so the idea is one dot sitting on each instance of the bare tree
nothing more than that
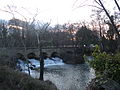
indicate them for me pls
(109, 16)
(102, 7)
(40, 40)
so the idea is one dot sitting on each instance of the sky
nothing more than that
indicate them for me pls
(53, 11)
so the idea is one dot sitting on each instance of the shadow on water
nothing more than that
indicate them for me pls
(69, 77)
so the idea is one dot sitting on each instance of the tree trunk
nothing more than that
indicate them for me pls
(41, 66)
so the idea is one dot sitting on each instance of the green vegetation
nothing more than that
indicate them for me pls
(106, 66)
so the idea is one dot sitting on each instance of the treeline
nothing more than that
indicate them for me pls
(18, 33)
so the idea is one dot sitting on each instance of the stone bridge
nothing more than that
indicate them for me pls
(67, 53)
(48, 50)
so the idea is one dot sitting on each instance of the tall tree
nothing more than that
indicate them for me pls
(41, 41)
(85, 36)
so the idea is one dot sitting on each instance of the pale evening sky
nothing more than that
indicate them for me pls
(54, 11)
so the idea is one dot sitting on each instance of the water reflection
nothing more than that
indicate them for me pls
(69, 77)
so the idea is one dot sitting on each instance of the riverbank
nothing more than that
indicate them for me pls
(64, 77)
(14, 80)
(11, 79)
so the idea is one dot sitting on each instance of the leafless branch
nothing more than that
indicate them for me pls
(97, 2)
(95, 6)
(8, 11)
(22, 15)
(82, 4)
(117, 4)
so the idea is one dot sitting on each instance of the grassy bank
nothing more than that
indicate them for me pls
(14, 80)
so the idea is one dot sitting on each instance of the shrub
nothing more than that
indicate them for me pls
(106, 65)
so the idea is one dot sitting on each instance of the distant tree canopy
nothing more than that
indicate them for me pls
(85, 36)
(18, 33)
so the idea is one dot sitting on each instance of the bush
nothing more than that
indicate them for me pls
(106, 65)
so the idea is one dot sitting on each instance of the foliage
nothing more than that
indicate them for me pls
(106, 65)
(85, 36)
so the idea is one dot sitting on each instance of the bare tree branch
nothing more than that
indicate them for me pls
(82, 4)
(11, 11)
(97, 2)
(111, 20)
(22, 15)
(96, 7)
(117, 4)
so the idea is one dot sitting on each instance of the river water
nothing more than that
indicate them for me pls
(68, 77)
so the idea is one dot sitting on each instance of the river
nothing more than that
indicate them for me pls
(68, 77)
